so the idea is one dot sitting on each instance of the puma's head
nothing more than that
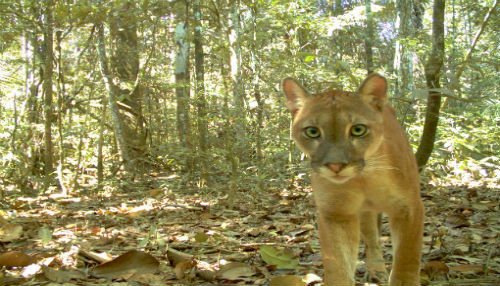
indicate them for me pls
(340, 131)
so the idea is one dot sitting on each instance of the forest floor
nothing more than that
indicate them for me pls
(160, 233)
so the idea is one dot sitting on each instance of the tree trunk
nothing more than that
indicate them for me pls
(113, 93)
(100, 142)
(403, 59)
(61, 93)
(48, 66)
(255, 65)
(182, 74)
(338, 9)
(201, 101)
(432, 74)
(370, 33)
(238, 94)
(124, 92)
(32, 110)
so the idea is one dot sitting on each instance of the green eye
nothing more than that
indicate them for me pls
(312, 132)
(358, 130)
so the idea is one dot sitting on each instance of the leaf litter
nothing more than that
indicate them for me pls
(152, 235)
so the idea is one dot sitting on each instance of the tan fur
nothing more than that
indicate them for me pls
(356, 177)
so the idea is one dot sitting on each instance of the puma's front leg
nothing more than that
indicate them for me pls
(406, 231)
(375, 263)
(339, 238)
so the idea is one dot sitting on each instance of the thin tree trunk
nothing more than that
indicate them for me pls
(370, 33)
(61, 91)
(226, 132)
(201, 101)
(125, 68)
(182, 74)
(100, 165)
(338, 9)
(47, 50)
(255, 64)
(122, 82)
(238, 95)
(112, 92)
(432, 74)
(403, 59)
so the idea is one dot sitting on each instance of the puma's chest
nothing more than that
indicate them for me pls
(371, 192)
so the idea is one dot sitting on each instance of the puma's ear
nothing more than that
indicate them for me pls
(295, 94)
(374, 90)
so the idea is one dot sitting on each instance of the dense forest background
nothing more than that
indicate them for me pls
(100, 98)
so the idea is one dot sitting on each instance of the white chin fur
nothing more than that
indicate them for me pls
(334, 178)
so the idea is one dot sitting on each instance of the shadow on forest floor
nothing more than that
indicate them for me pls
(179, 236)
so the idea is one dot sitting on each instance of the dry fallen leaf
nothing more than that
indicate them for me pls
(129, 263)
(311, 278)
(235, 270)
(207, 275)
(183, 267)
(15, 259)
(288, 280)
(156, 193)
(10, 232)
(62, 276)
(467, 268)
(435, 269)
(175, 257)
(101, 257)
(458, 220)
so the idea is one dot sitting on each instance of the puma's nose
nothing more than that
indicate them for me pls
(336, 167)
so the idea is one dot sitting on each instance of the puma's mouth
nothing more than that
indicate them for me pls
(336, 177)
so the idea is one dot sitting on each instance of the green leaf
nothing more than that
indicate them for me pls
(201, 237)
(143, 243)
(282, 258)
(45, 235)
(309, 58)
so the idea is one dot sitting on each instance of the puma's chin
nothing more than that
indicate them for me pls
(335, 178)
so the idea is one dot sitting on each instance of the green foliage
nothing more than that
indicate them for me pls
(304, 39)
(467, 147)
(282, 258)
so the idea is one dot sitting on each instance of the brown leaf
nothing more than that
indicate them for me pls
(10, 232)
(102, 257)
(435, 269)
(288, 280)
(467, 268)
(458, 220)
(15, 259)
(61, 276)
(207, 275)
(183, 266)
(235, 270)
(176, 256)
(156, 193)
(129, 263)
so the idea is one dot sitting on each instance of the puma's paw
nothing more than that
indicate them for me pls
(409, 280)
(377, 273)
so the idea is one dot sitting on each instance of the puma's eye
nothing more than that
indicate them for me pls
(358, 130)
(312, 132)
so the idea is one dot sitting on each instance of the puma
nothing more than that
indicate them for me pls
(361, 165)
